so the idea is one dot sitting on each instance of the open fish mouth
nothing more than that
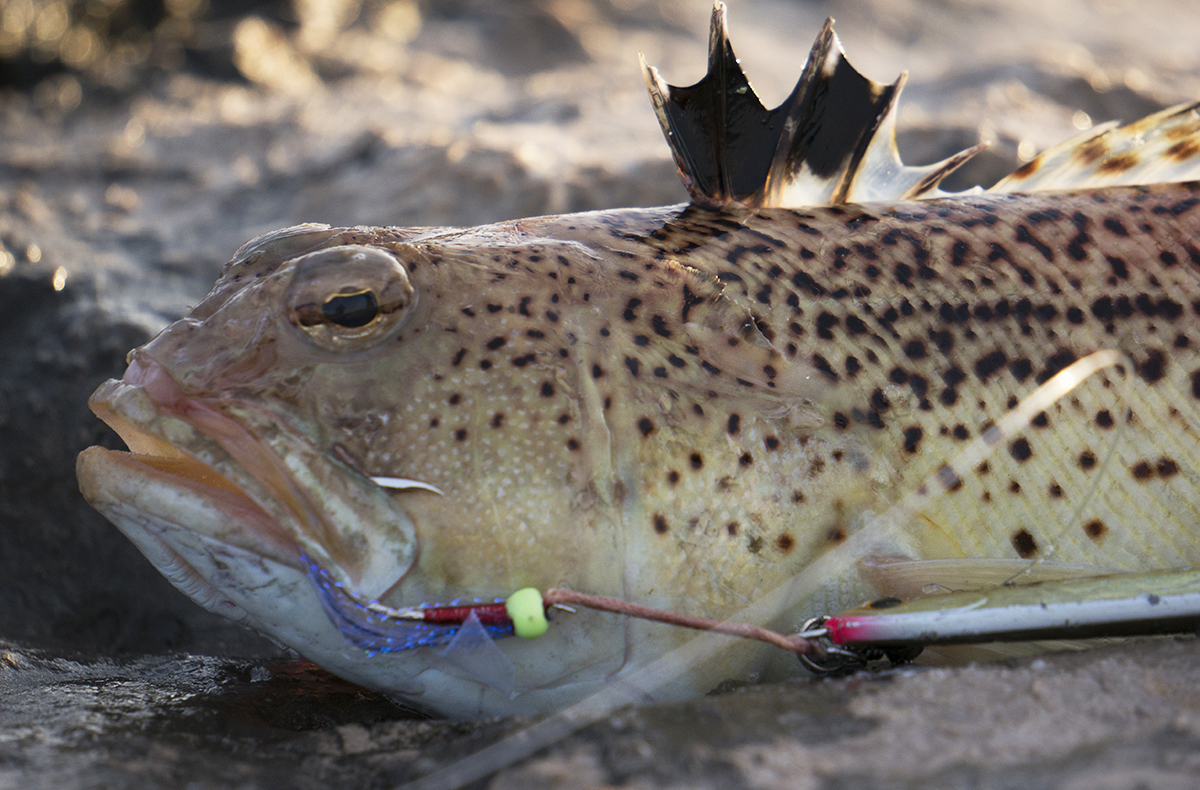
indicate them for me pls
(228, 471)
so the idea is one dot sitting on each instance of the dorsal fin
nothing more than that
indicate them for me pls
(832, 141)
(1160, 148)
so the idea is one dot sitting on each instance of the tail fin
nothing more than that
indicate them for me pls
(832, 141)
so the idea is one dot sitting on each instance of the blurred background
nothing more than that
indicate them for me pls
(142, 141)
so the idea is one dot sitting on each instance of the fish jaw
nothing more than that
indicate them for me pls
(282, 497)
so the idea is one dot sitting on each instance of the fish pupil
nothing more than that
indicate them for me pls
(351, 310)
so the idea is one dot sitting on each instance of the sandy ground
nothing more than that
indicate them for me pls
(127, 179)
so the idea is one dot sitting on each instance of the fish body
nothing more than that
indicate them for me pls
(682, 406)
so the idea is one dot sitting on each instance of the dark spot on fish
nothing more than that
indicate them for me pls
(1104, 418)
(826, 322)
(1095, 529)
(754, 544)
(771, 442)
(884, 603)
(485, 364)
(1154, 367)
(840, 421)
(961, 433)
(822, 364)
(454, 399)
(1115, 226)
(879, 401)
(735, 424)
(641, 340)
(1118, 164)
(572, 444)
(731, 529)
(1183, 150)
(1165, 467)
(1142, 471)
(660, 524)
(948, 478)
(745, 460)
(646, 426)
(798, 496)
(989, 364)
(915, 349)
(696, 460)
(1025, 237)
(632, 364)
(496, 342)
(912, 438)
(785, 543)
(497, 419)
(672, 477)
(460, 434)
(1021, 369)
(1055, 491)
(660, 372)
(1024, 543)
(1020, 450)
(547, 389)
(1014, 487)
(1087, 459)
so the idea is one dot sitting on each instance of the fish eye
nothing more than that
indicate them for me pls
(350, 297)
(351, 310)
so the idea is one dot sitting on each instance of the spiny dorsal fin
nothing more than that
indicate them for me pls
(1160, 148)
(832, 140)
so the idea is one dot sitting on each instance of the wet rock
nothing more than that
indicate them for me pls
(1115, 717)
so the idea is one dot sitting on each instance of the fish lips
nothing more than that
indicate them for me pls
(233, 472)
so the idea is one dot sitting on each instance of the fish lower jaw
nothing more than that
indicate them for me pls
(150, 537)
(179, 495)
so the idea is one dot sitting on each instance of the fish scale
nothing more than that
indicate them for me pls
(686, 407)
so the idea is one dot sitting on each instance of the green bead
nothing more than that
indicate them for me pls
(527, 612)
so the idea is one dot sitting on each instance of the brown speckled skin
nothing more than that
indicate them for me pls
(684, 407)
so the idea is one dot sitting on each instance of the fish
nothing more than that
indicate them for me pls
(683, 406)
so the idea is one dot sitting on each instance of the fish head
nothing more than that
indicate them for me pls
(324, 360)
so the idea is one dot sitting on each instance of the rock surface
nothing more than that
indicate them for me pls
(144, 142)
